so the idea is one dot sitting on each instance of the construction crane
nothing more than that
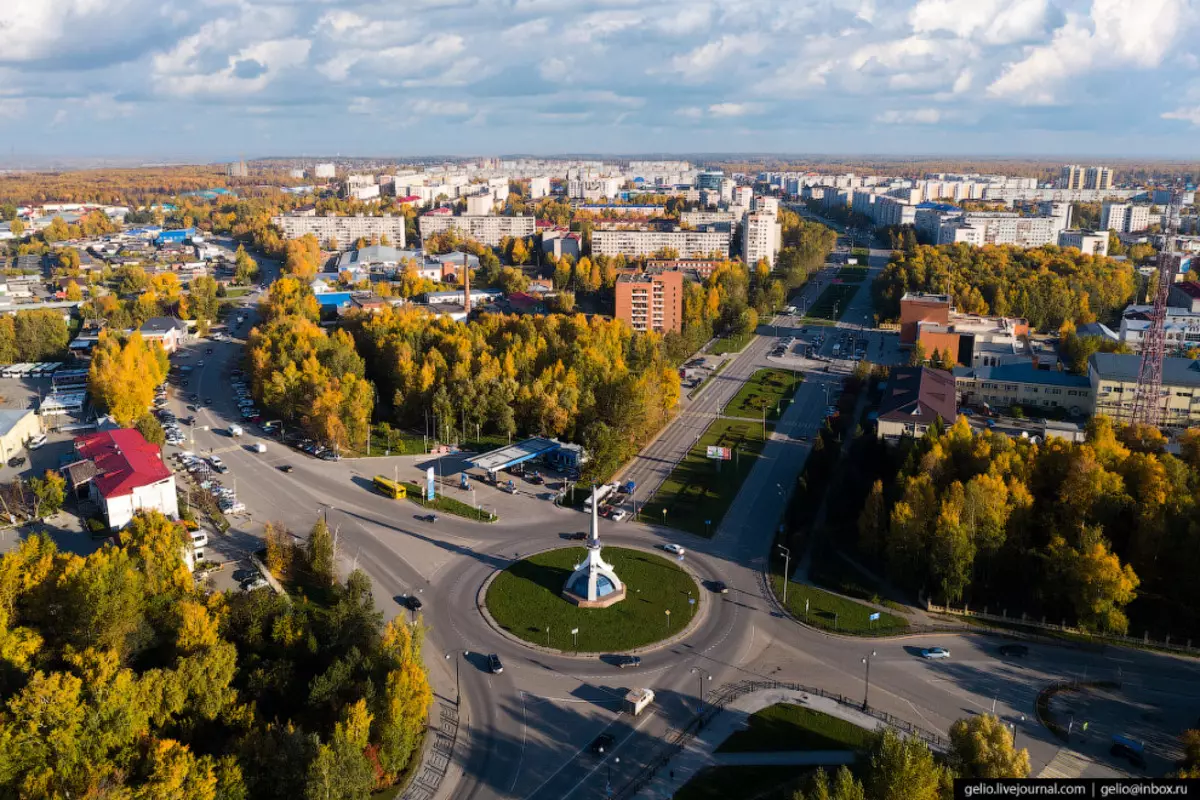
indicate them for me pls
(1147, 401)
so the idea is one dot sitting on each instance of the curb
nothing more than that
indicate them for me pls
(481, 607)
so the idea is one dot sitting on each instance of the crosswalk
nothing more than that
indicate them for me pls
(1065, 764)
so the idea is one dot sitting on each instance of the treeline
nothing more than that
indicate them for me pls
(108, 186)
(1090, 528)
(139, 296)
(37, 335)
(306, 376)
(593, 380)
(1045, 285)
(120, 678)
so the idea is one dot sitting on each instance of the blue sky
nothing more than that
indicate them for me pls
(212, 79)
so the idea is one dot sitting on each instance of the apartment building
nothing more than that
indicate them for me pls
(1092, 243)
(651, 301)
(1124, 217)
(1114, 380)
(1181, 328)
(762, 236)
(1073, 176)
(593, 188)
(346, 230)
(326, 170)
(698, 218)
(649, 242)
(539, 187)
(485, 229)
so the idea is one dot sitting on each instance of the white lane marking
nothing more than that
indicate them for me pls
(579, 752)
(521, 758)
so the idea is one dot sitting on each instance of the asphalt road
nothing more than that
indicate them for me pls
(526, 732)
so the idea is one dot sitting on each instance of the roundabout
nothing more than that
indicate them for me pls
(526, 600)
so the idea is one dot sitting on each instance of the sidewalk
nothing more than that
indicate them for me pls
(698, 753)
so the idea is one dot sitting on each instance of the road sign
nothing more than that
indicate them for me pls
(718, 453)
(574, 631)
(874, 616)
(691, 601)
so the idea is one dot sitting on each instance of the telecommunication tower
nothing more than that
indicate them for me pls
(1147, 402)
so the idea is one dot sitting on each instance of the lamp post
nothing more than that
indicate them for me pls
(867, 692)
(1012, 726)
(701, 674)
(608, 781)
(787, 561)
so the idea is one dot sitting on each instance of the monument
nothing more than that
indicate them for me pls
(594, 583)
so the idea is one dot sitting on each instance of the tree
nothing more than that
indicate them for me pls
(41, 335)
(844, 787)
(320, 555)
(1096, 584)
(520, 252)
(17, 227)
(340, 770)
(123, 375)
(73, 292)
(904, 769)
(202, 298)
(50, 491)
(982, 747)
(916, 356)
(132, 280)
(245, 267)
(68, 259)
(151, 430)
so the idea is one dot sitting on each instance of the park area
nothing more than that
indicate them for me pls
(832, 612)
(832, 303)
(783, 727)
(525, 600)
(769, 389)
(698, 492)
(730, 343)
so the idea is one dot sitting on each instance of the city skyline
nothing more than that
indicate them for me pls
(219, 80)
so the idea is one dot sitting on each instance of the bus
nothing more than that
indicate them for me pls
(390, 488)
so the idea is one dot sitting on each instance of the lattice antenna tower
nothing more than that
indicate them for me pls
(1147, 403)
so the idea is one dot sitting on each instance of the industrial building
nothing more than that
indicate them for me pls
(930, 319)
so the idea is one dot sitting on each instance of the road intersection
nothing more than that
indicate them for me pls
(526, 732)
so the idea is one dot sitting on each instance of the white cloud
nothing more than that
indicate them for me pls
(690, 112)
(734, 109)
(917, 116)
(691, 18)
(992, 21)
(1116, 34)
(714, 55)
(1191, 115)
(266, 60)
(440, 108)
(12, 107)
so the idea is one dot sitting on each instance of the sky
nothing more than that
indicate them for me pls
(221, 79)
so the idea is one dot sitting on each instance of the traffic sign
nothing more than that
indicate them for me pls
(718, 453)
(874, 616)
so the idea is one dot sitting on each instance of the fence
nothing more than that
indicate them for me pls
(676, 740)
(1101, 639)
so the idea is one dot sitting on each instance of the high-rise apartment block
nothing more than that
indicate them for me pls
(761, 238)
(539, 187)
(1124, 217)
(485, 229)
(651, 301)
(344, 230)
(325, 171)
(632, 243)
(1076, 177)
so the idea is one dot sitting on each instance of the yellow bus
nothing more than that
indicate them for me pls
(390, 488)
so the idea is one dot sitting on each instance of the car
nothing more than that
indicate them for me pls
(37, 441)
(494, 665)
(719, 587)
(1013, 650)
(934, 652)
(208, 401)
(577, 535)
(193, 407)
(429, 518)
(1129, 749)
(200, 363)
(618, 514)
(329, 455)
(255, 583)
(413, 602)
(627, 661)
(17, 461)
(673, 548)
(603, 743)
(286, 468)
(208, 351)
(243, 575)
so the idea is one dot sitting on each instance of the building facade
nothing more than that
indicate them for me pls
(344, 230)
(1023, 385)
(649, 242)
(128, 476)
(1124, 217)
(1092, 243)
(485, 229)
(651, 301)
(1114, 379)
(762, 236)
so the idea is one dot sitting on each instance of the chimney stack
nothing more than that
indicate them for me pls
(466, 284)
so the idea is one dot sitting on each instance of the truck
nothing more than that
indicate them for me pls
(636, 701)
(235, 430)
(602, 491)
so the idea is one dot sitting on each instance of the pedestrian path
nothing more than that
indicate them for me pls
(1065, 764)
(698, 753)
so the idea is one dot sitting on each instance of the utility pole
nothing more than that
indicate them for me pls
(787, 560)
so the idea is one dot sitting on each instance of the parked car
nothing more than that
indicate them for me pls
(603, 743)
(935, 652)
(494, 665)
(17, 461)
(618, 514)
(37, 441)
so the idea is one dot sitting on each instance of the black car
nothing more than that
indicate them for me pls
(1013, 650)
(243, 575)
(286, 468)
(603, 743)
(494, 665)
(719, 587)
(577, 535)
(627, 661)
(17, 461)
(430, 518)
(413, 602)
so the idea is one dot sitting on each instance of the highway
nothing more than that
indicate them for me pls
(526, 732)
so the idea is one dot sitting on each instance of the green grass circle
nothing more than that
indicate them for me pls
(526, 601)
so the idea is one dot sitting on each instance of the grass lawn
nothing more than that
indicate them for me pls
(701, 489)
(730, 344)
(767, 388)
(746, 783)
(784, 726)
(396, 443)
(836, 294)
(447, 505)
(834, 613)
(525, 600)
(237, 291)
(852, 274)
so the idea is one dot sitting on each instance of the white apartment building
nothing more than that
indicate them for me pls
(762, 236)
(648, 242)
(593, 188)
(346, 230)
(479, 205)
(1090, 242)
(488, 230)
(1004, 228)
(539, 187)
(767, 205)
(743, 196)
(1074, 176)
(1181, 328)
(326, 170)
(698, 218)
(1124, 217)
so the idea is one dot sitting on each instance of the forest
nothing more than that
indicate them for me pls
(1045, 285)
(1102, 533)
(118, 678)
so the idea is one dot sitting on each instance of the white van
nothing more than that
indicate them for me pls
(235, 430)
(199, 539)
(259, 448)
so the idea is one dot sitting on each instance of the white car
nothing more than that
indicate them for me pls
(673, 548)
(619, 515)
(935, 652)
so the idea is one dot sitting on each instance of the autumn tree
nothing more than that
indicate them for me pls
(124, 374)
(844, 787)
(245, 268)
(1095, 582)
(905, 769)
(320, 554)
(982, 747)
(520, 252)
(50, 491)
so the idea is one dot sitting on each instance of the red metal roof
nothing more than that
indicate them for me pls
(124, 461)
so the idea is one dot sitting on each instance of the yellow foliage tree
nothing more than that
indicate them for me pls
(123, 375)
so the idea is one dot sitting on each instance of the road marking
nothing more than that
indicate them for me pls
(579, 752)
(521, 758)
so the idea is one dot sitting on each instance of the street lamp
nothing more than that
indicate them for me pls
(701, 674)
(867, 693)
(608, 782)
(1012, 726)
(787, 560)
(668, 613)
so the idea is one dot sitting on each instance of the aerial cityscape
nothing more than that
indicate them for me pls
(554, 401)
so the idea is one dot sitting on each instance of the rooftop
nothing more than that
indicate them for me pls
(1115, 367)
(124, 461)
(919, 394)
(1190, 288)
(161, 325)
(1024, 373)
(10, 417)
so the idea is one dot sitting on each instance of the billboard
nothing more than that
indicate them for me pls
(718, 453)
(430, 485)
